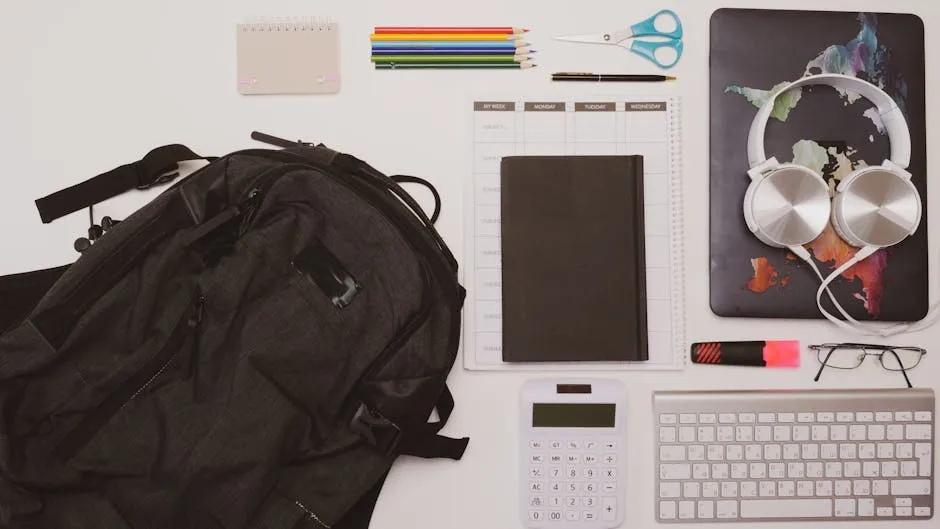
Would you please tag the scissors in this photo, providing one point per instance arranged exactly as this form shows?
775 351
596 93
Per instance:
645 48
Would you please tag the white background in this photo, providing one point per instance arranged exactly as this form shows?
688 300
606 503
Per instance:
86 86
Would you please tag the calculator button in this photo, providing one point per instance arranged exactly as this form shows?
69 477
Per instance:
535 445
588 473
554 473
574 459
536 516
555 501
590 459
588 501
536 459
610 445
536 501
590 445
555 459
573 445
590 488
571 472
667 418
572 488
555 445
609 508
609 487
571 501
535 486
589 516
610 459
555 487
555 516
610 473
573 516
536 472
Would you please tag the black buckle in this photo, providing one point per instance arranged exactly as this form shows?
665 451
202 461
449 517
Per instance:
378 431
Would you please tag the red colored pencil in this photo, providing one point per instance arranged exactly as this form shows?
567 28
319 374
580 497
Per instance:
392 30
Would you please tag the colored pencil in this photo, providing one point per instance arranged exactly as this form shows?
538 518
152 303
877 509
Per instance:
446 36
449 51
449 58
451 44
388 30
454 66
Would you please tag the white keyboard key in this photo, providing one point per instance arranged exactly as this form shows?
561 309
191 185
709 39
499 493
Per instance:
910 487
690 489
706 434
852 469
876 432
917 432
884 416
739 470
903 511
923 416
753 452
922 452
786 508
791 451
763 434
825 416
909 469
903 416
772 452
686 510
845 416
806 417
805 488
838 432
829 451
801 433
686 434
700 471
796 470
715 452
820 432
845 508
729 489
890 469
866 451
903 502
824 488
667 510
786 417
885 450
667 418
847 451
814 469
727 509
669 453
767 489
758 470
885 511
609 508
696 453
574 516
880 487
747 418
843 487
727 418
834 469
858 432
706 509
786 489
904 450
766 418
922 511
720 471
861 487
810 452
895 432
864 416
667 434
687 418
748 489
710 489
734 452
781 434
777 470
744 434
707 418
725 434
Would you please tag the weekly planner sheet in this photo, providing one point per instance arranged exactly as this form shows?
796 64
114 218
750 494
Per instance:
582 126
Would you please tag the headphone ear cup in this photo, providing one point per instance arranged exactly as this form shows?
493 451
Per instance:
839 224
788 206
876 206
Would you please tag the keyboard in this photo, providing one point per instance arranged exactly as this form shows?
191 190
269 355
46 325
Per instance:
746 456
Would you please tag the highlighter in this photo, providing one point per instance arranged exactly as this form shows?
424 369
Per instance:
781 353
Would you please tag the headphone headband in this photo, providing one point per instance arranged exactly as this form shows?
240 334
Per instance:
898 134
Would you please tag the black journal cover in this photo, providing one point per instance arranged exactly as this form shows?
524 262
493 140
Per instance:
753 51
574 267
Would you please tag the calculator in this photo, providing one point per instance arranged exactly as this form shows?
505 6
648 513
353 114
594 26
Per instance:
572 454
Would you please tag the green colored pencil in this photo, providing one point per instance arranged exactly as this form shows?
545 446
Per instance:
454 66
436 59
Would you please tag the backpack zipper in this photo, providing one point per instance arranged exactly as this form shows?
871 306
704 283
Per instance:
79 436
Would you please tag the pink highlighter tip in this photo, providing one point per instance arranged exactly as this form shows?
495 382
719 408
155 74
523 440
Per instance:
783 353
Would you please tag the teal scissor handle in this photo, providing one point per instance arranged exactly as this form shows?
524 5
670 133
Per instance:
647 28
648 49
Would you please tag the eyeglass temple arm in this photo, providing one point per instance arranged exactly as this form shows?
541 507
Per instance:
823 365
903 371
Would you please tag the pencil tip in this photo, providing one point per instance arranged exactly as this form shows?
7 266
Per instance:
670 78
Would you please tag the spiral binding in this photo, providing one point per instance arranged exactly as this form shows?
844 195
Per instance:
677 228
288 24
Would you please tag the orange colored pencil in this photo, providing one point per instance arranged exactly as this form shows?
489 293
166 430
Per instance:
394 30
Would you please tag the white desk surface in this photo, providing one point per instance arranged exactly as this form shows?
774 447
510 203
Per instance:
86 86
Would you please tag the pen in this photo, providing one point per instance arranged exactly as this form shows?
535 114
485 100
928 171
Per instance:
579 76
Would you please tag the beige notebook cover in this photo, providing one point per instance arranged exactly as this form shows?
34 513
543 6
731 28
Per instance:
288 57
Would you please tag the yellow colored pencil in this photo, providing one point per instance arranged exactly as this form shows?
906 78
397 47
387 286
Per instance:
443 36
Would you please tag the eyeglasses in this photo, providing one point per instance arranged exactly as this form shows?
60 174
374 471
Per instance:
851 355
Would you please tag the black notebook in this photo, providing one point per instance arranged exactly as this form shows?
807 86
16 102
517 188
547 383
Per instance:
573 259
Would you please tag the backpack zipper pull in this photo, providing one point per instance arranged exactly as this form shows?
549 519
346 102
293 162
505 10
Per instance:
198 311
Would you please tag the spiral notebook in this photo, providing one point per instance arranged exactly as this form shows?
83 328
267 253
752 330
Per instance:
290 56
582 126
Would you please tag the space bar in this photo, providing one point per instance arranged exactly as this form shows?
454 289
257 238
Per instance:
808 508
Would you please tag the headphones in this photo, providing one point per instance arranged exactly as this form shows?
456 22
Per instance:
787 205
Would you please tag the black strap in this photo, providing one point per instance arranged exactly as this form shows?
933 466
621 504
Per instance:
405 179
150 171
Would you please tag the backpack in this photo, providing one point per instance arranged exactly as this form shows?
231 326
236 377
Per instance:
253 348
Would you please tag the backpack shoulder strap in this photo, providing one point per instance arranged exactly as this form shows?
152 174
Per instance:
152 170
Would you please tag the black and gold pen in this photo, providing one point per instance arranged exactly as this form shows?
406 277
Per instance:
602 77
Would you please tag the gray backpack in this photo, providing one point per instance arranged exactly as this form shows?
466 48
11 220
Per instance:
254 348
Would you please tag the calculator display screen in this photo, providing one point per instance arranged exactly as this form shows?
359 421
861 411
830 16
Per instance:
568 415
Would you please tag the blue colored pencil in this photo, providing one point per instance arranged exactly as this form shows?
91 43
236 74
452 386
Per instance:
451 51
456 44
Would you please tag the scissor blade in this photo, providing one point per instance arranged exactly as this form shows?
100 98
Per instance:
591 38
